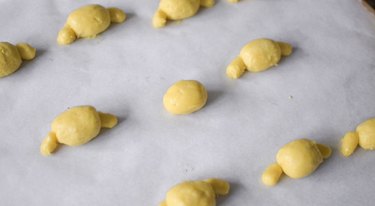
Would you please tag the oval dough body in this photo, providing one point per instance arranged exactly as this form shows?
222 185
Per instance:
179 9
366 133
10 59
191 193
185 97
299 158
260 54
77 125
90 20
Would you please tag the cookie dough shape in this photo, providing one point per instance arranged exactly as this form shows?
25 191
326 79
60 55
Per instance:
11 56
177 10
297 159
364 136
88 21
185 97
76 126
196 193
258 55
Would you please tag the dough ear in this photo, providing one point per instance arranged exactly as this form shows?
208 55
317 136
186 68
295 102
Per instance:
236 68
272 174
66 36
349 143
108 120
49 144
160 19
286 49
207 3
26 51
325 150
117 15
233 1
221 187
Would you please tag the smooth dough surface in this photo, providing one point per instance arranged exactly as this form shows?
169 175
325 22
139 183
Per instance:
260 54
366 133
179 9
77 126
10 59
184 97
299 158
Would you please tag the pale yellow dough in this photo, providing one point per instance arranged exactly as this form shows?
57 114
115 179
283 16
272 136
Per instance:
88 21
196 193
185 97
11 57
364 136
76 126
296 159
258 55
177 10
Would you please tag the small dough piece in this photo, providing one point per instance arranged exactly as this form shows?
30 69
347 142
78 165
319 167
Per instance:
88 21
177 10
364 136
233 1
196 193
185 97
76 126
258 55
297 159
11 56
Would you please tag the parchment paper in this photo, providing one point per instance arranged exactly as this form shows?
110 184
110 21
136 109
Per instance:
324 89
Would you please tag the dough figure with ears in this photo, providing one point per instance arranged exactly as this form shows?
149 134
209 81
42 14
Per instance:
88 21
76 126
364 136
196 193
177 10
258 55
11 57
296 159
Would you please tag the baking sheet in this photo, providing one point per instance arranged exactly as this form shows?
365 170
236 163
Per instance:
324 89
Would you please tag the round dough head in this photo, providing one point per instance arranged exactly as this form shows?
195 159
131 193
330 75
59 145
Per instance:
191 193
260 54
90 20
77 125
185 97
299 158
10 59
366 133
179 9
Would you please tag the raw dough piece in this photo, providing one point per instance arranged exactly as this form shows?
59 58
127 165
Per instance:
233 1
364 136
185 97
11 56
88 21
177 10
196 193
76 126
296 159
258 55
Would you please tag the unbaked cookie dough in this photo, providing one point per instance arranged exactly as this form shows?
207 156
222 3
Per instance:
296 159
364 136
196 193
177 10
11 56
258 55
76 126
88 21
185 97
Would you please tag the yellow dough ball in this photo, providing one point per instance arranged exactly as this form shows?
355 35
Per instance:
257 56
88 21
11 57
76 126
296 159
185 97
196 193
177 10
364 136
